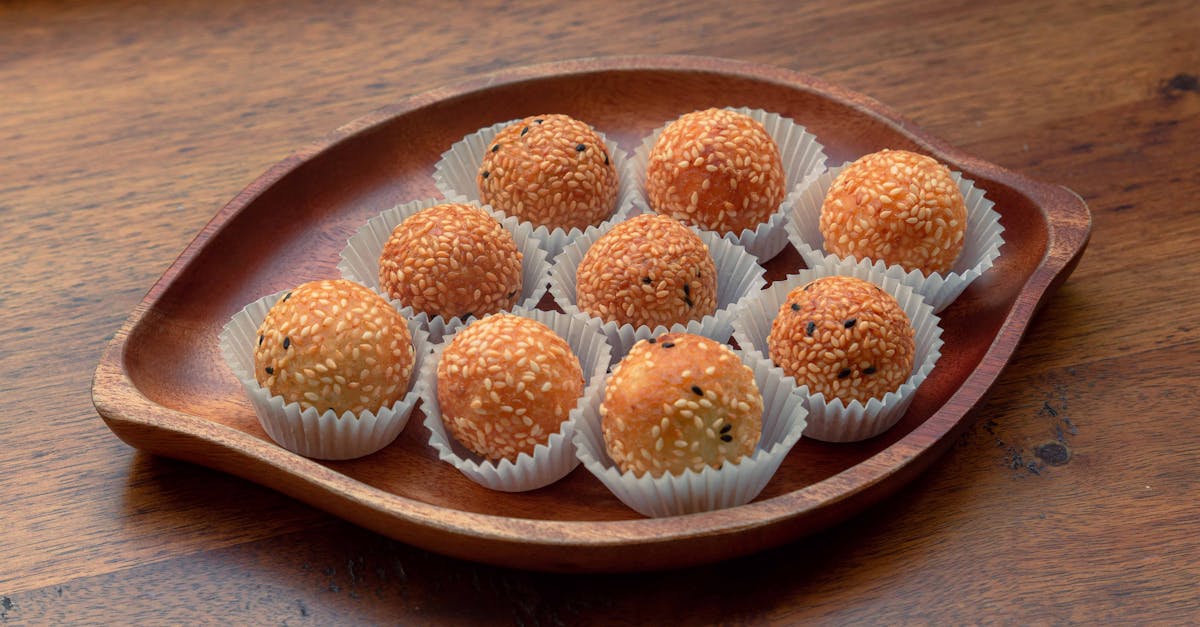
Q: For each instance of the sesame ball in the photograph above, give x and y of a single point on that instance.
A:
(506, 384)
(897, 206)
(649, 270)
(680, 402)
(334, 345)
(716, 169)
(551, 170)
(843, 337)
(451, 260)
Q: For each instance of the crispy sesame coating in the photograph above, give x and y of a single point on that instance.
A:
(898, 206)
(451, 260)
(551, 170)
(680, 402)
(716, 169)
(649, 270)
(506, 384)
(334, 345)
(843, 337)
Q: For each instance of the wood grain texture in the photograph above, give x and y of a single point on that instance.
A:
(124, 127)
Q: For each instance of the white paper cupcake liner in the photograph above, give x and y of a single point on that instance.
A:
(833, 420)
(320, 435)
(360, 259)
(550, 461)
(981, 245)
(454, 174)
(802, 157)
(712, 488)
(738, 276)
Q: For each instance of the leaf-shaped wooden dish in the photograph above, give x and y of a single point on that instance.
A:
(163, 388)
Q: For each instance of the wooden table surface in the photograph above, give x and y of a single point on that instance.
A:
(124, 126)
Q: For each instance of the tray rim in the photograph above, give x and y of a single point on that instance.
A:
(530, 542)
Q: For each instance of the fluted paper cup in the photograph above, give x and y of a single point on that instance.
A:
(832, 420)
(730, 485)
(738, 276)
(360, 259)
(308, 432)
(801, 155)
(550, 461)
(981, 245)
(454, 174)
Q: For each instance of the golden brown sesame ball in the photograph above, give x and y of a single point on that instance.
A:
(506, 384)
(680, 402)
(843, 337)
(897, 206)
(649, 270)
(716, 169)
(551, 170)
(451, 260)
(334, 345)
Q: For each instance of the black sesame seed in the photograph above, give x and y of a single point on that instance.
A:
(844, 373)
(287, 341)
(668, 344)
(688, 300)
(539, 120)
(807, 286)
(687, 290)
(646, 280)
(287, 296)
(512, 293)
(485, 174)
(606, 158)
(726, 428)
(260, 339)
(651, 340)
(697, 390)
(269, 370)
(812, 326)
(849, 323)
(524, 130)
(795, 307)
(496, 147)
(727, 438)
(869, 370)
(580, 148)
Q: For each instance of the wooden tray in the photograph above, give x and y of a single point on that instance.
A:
(162, 387)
